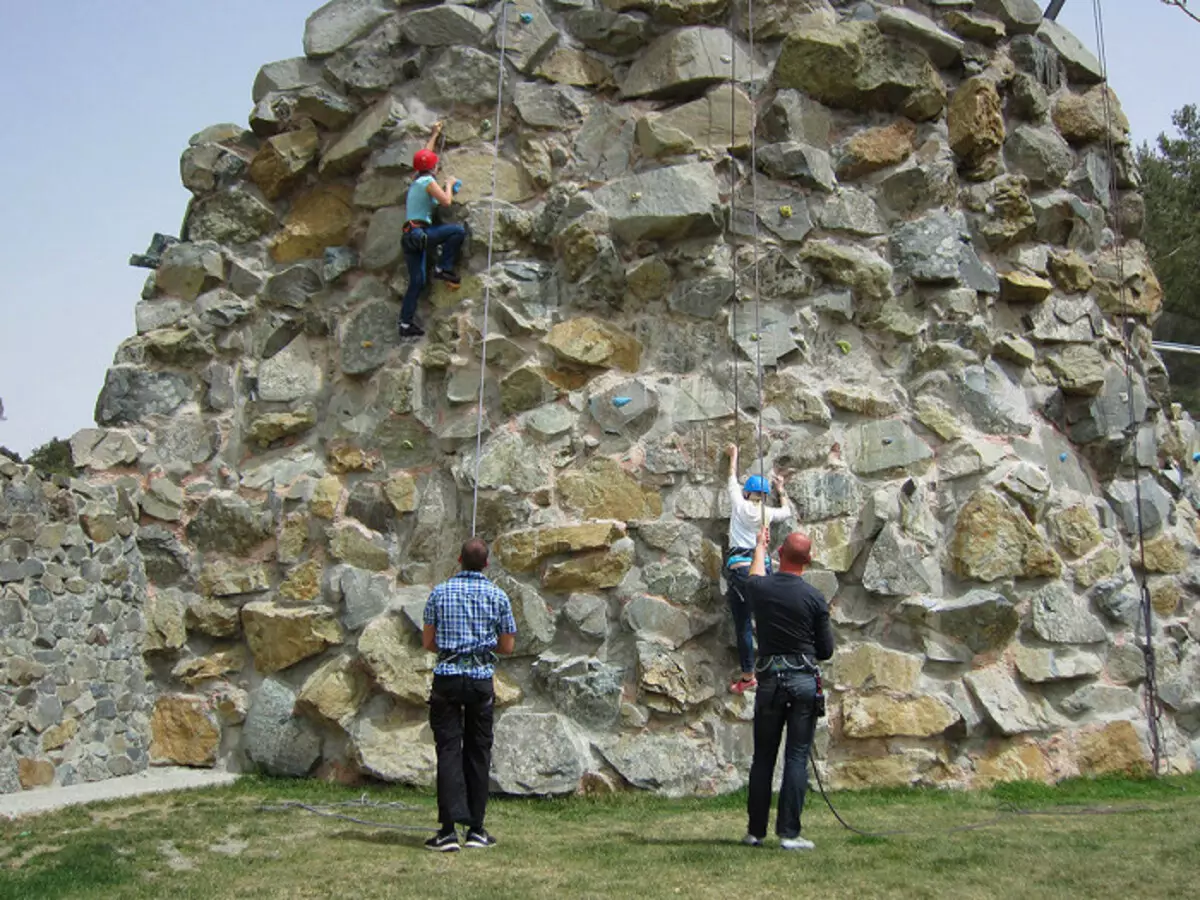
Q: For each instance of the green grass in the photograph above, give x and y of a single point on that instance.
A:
(1099, 838)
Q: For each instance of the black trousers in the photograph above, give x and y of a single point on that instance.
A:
(461, 714)
(784, 701)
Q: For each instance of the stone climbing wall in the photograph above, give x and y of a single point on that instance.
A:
(74, 700)
(944, 393)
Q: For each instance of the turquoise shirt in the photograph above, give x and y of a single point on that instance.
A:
(420, 203)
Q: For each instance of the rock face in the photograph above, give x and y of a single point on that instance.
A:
(276, 481)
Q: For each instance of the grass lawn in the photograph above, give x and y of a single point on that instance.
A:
(217, 843)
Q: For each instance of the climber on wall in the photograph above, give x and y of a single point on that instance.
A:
(748, 512)
(421, 235)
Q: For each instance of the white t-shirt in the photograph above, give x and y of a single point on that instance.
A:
(746, 516)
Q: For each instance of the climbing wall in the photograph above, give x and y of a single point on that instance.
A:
(944, 391)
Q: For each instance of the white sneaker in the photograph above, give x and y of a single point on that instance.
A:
(751, 841)
(796, 843)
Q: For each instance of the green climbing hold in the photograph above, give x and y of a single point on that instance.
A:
(785, 212)
(844, 346)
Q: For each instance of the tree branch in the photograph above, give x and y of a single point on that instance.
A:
(1182, 6)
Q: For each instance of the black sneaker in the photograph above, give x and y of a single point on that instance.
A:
(445, 841)
(449, 276)
(411, 330)
(478, 837)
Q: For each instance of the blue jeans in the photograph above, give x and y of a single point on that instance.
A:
(784, 699)
(450, 238)
(739, 605)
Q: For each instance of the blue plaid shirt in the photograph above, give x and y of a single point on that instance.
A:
(469, 613)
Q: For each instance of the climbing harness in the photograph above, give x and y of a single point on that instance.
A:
(794, 662)
(468, 659)
(487, 282)
(1146, 617)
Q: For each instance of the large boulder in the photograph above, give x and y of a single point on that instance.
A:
(281, 636)
(855, 66)
(686, 61)
(670, 202)
(537, 754)
(992, 540)
(274, 739)
(391, 651)
(184, 731)
(336, 24)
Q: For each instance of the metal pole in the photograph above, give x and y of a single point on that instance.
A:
(1054, 9)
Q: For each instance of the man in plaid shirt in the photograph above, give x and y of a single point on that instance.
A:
(467, 621)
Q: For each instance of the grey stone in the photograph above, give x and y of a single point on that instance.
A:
(336, 24)
(1118, 600)
(99, 449)
(587, 691)
(852, 211)
(235, 216)
(462, 75)
(899, 566)
(375, 62)
(674, 764)
(696, 398)
(1066, 220)
(931, 249)
(132, 395)
(1082, 65)
(798, 162)
(1044, 664)
(820, 495)
(980, 620)
(551, 105)
(1104, 701)
(530, 37)
(273, 738)
(588, 613)
(683, 62)
(996, 404)
(657, 620)
(1011, 711)
(1018, 16)
(187, 270)
(1156, 507)
(604, 146)
(155, 314)
(670, 202)
(536, 754)
(294, 286)
(291, 374)
(782, 210)
(768, 342)
(383, 247)
(1108, 414)
(1092, 179)
(450, 24)
(884, 445)
(1059, 617)
(793, 116)
(676, 580)
(607, 31)
(1038, 153)
(943, 48)
(287, 75)
(226, 522)
(636, 413)
(369, 336)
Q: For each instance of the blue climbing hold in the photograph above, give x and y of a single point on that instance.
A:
(1062, 457)
(618, 402)
(457, 186)
(526, 18)
(1196, 457)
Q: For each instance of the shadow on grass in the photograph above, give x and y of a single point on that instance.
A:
(382, 838)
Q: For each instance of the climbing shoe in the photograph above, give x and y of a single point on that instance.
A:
(445, 841)
(449, 276)
(411, 330)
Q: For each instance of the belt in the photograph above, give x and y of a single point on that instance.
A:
(786, 662)
(474, 659)
(415, 223)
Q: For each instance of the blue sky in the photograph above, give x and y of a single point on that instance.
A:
(100, 99)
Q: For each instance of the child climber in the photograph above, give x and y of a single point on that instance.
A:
(421, 235)
(748, 513)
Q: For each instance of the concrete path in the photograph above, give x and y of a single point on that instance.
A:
(152, 781)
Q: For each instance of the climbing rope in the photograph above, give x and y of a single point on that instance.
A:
(487, 282)
(754, 203)
(1146, 617)
(329, 811)
(733, 171)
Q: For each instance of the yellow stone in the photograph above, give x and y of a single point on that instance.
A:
(937, 417)
(319, 219)
(401, 491)
(567, 65)
(58, 736)
(507, 691)
(866, 666)
(993, 541)
(303, 583)
(474, 169)
(34, 773)
(326, 496)
(184, 731)
(1104, 563)
(348, 458)
(1114, 748)
(293, 537)
(975, 120)
(281, 636)
(207, 668)
(283, 159)
(336, 689)
(589, 571)
(392, 652)
(896, 770)
(592, 342)
(603, 490)
(877, 148)
(1165, 595)
(521, 551)
(1163, 554)
(1014, 762)
(1024, 287)
(1076, 530)
(880, 715)
(1071, 272)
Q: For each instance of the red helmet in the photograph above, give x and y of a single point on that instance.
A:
(425, 160)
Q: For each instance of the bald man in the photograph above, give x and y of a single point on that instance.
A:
(792, 621)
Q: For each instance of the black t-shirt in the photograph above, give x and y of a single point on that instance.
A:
(790, 616)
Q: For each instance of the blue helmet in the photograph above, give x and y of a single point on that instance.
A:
(756, 484)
